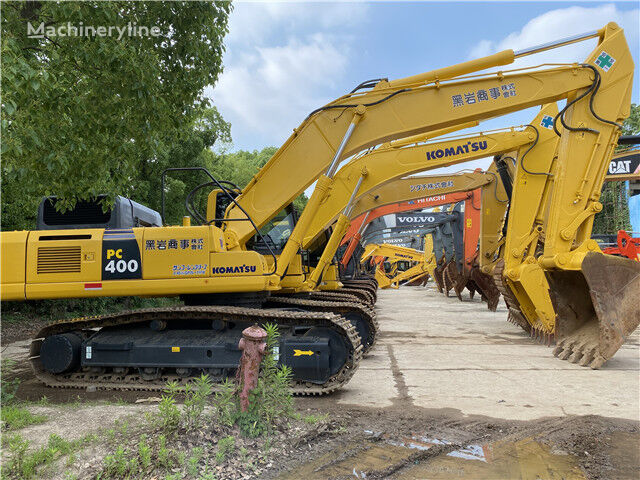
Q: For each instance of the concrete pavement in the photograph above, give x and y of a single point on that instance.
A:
(437, 352)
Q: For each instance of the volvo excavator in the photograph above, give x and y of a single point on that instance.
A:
(226, 268)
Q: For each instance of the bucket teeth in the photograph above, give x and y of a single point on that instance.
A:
(565, 353)
(597, 362)
(575, 356)
(596, 307)
(588, 357)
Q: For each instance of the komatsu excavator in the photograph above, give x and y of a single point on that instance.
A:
(421, 262)
(225, 268)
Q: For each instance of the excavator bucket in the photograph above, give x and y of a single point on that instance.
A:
(597, 308)
(438, 276)
(487, 287)
(453, 279)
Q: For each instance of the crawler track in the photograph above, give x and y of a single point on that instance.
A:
(113, 381)
(339, 308)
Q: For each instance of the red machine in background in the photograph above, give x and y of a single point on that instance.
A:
(628, 246)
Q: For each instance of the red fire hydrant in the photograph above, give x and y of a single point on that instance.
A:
(253, 346)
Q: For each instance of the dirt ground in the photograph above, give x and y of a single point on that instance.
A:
(451, 390)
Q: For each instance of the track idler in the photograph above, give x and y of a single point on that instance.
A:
(597, 308)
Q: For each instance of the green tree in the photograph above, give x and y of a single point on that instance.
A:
(240, 167)
(86, 115)
(615, 196)
(191, 150)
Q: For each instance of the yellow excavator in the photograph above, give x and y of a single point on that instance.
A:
(405, 189)
(423, 262)
(218, 267)
(442, 187)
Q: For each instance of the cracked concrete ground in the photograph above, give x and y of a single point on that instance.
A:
(439, 353)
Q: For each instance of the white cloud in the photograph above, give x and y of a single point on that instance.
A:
(270, 91)
(253, 22)
(557, 24)
(282, 61)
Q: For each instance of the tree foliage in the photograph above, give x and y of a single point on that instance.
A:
(240, 167)
(82, 116)
(615, 196)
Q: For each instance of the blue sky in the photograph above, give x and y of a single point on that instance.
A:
(284, 59)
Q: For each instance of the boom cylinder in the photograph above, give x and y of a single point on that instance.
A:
(354, 241)
(330, 248)
(321, 190)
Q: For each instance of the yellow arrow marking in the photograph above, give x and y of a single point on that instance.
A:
(298, 353)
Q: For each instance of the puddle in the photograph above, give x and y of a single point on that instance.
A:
(522, 460)
(355, 461)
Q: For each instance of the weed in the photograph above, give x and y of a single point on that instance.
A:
(193, 461)
(71, 459)
(169, 413)
(124, 427)
(165, 459)
(224, 403)
(313, 419)
(266, 447)
(243, 454)
(196, 394)
(207, 475)
(173, 476)
(15, 417)
(226, 446)
(24, 464)
(144, 452)
(117, 464)
(272, 398)
(8, 388)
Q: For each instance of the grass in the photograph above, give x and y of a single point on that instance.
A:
(15, 417)
(226, 446)
(51, 310)
(313, 419)
(24, 463)
(142, 450)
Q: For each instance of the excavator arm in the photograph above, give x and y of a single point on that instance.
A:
(589, 311)
(377, 168)
(389, 111)
(414, 189)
